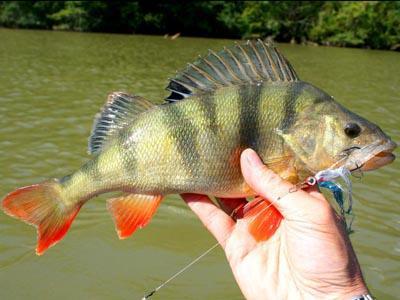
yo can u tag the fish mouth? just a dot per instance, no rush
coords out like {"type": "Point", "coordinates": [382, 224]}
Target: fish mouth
{"type": "Point", "coordinates": [379, 160]}
{"type": "Point", "coordinates": [370, 157]}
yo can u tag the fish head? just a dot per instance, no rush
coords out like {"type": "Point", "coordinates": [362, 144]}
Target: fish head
{"type": "Point", "coordinates": [367, 146]}
{"type": "Point", "coordinates": [327, 135]}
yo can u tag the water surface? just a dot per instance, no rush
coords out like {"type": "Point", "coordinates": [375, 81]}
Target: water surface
{"type": "Point", "coordinates": [51, 86]}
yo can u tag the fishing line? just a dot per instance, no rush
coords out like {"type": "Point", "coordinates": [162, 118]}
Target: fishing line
{"type": "Point", "coordinates": [148, 295]}
{"type": "Point", "coordinates": [151, 293]}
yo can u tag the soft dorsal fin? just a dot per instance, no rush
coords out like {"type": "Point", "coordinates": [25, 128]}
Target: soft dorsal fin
{"type": "Point", "coordinates": [252, 62]}
{"type": "Point", "coordinates": [119, 110]}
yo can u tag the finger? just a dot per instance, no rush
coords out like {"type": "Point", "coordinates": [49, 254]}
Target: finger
{"type": "Point", "coordinates": [271, 186]}
{"type": "Point", "coordinates": [228, 205]}
{"type": "Point", "coordinates": [214, 219]}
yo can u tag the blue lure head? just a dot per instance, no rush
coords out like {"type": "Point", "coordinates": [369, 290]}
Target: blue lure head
{"type": "Point", "coordinates": [336, 190]}
{"type": "Point", "coordinates": [327, 179]}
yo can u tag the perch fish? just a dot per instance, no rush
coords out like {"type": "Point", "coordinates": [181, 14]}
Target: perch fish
{"type": "Point", "coordinates": [246, 95]}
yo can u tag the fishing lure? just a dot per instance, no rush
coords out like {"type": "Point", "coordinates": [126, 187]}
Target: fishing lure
{"type": "Point", "coordinates": [327, 179]}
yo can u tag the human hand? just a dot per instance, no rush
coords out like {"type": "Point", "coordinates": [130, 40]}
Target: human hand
{"type": "Point", "coordinates": [310, 255]}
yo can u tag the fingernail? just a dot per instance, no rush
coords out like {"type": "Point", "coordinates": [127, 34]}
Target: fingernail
{"type": "Point", "coordinates": [252, 158]}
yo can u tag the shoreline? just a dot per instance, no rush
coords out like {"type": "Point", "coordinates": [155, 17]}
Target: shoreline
{"type": "Point", "coordinates": [310, 43]}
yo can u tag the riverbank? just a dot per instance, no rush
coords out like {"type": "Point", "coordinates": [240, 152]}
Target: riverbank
{"type": "Point", "coordinates": [361, 24]}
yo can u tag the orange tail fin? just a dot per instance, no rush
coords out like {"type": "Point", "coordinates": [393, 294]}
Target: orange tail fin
{"type": "Point", "coordinates": [132, 211]}
{"type": "Point", "coordinates": [263, 218]}
{"type": "Point", "coordinates": [43, 206]}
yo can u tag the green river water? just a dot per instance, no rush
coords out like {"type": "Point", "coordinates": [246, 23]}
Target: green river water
{"type": "Point", "coordinates": [51, 86]}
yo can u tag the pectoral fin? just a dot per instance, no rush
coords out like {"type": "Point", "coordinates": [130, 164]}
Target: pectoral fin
{"type": "Point", "coordinates": [132, 211]}
{"type": "Point", "coordinates": [284, 166]}
{"type": "Point", "coordinates": [263, 218]}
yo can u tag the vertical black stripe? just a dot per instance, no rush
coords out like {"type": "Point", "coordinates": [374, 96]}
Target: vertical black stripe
{"type": "Point", "coordinates": [294, 91]}
{"type": "Point", "coordinates": [208, 108]}
{"type": "Point", "coordinates": [249, 129]}
{"type": "Point", "coordinates": [184, 135]}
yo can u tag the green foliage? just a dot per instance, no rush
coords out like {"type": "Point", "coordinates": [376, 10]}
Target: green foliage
{"type": "Point", "coordinates": [69, 17]}
{"type": "Point", "coordinates": [282, 20]}
{"type": "Point", "coordinates": [373, 24]}
{"type": "Point", "coordinates": [355, 24]}
{"type": "Point", "coordinates": [28, 14]}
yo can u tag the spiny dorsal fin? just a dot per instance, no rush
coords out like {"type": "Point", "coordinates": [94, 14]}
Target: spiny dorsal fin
{"type": "Point", "coordinates": [119, 110]}
{"type": "Point", "coordinates": [252, 62]}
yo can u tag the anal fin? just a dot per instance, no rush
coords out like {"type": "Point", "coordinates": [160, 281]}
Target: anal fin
{"type": "Point", "coordinates": [132, 211]}
{"type": "Point", "coordinates": [262, 217]}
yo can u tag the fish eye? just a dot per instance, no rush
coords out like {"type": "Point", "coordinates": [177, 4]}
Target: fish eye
{"type": "Point", "coordinates": [352, 130]}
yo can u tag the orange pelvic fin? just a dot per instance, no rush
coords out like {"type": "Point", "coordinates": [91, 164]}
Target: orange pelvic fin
{"type": "Point", "coordinates": [263, 218]}
{"type": "Point", "coordinates": [132, 211]}
{"type": "Point", "coordinates": [43, 206]}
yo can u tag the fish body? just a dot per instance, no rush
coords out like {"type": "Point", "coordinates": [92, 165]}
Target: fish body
{"type": "Point", "coordinates": [194, 146]}
{"type": "Point", "coordinates": [243, 97]}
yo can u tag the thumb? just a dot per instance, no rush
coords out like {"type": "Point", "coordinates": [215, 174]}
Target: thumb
{"type": "Point", "coordinates": [282, 194]}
